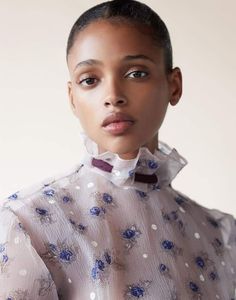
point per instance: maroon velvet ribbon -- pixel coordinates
(105, 166)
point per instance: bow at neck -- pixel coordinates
(147, 171)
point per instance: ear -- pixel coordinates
(71, 98)
(175, 85)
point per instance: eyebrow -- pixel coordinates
(92, 62)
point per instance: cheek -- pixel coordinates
(87, 116)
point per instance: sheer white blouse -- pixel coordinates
(113, 229)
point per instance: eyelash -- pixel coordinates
(137, 71)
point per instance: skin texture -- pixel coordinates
(138, 87)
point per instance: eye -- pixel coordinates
(88, 81)
(138, 74)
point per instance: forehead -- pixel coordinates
(108, 40)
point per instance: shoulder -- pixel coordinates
(212, 218)
(45, 187)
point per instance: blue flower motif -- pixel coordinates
(218, 242)
(213, 275)
(165, 216)
(139, 163)
(141, 194)
(99, 266)
(13, 196)
(96, 211)
(77, 227)
(152, 164)
(213, 222)
(66, 255)
(193, 286)
(81, 227)
(179, 200)
(155, 187)
(72, 222)
(131, 172)
(49, 193)
(66, 199)
(2, 248)
(41, 211)
(129, 233)
(174, 215)
(167, 244)
(162, 268)
(60, 253)
(53, 248)
(4, 258)
(107, 257)
(107, 198)
(218, 246)
(137, 291)
(43, 215)
(200, 262)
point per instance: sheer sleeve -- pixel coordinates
(23, 274)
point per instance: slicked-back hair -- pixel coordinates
(134, 12)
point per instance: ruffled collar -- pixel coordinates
(165, 163)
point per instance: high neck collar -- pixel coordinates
(165, 163)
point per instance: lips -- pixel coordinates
(117, 117)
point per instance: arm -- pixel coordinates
(23, 274)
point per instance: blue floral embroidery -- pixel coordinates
(193, 289)
(218, 246)
(13, 196)
(49, 193)
(213, 222)
(164, 270)
(137, 290)
(60, 253)
(213, 275)
(173, 217)
(66, 199)
(2, 247)
(142, 195)
(152, 164)
(78, 227)
(193, 286)
(97, 211)
(107, 198)
(155, 187)
(146, 163)
(105, 201)
(131, 173)
(102, 264)
(130, 235)
(171, 248)
(180, 200)
(4, 259)
(43, 215)
(99, 266)
(202, 261)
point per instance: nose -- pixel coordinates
(115, 94)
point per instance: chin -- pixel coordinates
(125, 153)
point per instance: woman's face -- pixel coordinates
(112, 79)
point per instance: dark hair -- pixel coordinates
(126, 10)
